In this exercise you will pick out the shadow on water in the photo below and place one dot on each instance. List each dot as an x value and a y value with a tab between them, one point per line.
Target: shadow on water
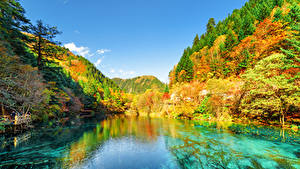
152	143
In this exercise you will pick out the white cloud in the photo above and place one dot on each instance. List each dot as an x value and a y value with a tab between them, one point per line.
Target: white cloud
112	71
97	63
102	51
77	32
122	72
83	51
131	72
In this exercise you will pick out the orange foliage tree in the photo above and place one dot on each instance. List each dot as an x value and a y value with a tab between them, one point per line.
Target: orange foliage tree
266	40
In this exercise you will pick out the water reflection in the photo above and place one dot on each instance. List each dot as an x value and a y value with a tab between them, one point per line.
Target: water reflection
143	130
152	143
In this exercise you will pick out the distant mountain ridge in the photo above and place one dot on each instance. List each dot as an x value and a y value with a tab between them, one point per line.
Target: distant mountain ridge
139	84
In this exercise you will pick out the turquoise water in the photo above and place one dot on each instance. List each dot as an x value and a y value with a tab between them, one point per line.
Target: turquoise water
142	143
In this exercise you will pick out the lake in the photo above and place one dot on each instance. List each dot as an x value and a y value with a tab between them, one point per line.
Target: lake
145	143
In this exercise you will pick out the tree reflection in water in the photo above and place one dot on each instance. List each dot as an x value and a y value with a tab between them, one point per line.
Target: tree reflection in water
142	129
193	144
130	142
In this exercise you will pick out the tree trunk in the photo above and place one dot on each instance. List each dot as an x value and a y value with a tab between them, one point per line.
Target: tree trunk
282	119
149	111
39	59
2	108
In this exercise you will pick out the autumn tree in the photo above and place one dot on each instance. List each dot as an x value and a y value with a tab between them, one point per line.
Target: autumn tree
149	102
269	93
21	87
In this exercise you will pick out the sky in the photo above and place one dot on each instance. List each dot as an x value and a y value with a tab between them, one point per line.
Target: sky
129	38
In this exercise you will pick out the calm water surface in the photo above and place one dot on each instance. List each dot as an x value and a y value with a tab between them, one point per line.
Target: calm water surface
142	143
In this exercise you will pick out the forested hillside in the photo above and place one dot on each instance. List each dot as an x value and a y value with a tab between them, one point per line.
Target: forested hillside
245	67
257	30
139	84
248	63
41	77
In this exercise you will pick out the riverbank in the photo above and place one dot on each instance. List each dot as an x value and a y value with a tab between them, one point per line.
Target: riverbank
11	129
231	120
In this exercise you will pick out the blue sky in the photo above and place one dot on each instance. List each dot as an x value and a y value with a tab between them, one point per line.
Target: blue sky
128	38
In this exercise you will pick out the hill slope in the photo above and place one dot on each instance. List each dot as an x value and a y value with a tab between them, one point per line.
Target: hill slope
257	30
139	84
61	86
248	63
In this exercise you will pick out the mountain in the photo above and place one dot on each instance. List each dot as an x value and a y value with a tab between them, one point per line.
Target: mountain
139	84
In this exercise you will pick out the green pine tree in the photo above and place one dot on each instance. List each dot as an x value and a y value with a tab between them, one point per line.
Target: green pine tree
43	36
166	89
247	25
196	41
210	25
184	71
231	40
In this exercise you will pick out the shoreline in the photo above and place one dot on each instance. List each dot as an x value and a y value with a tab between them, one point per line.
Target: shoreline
77	120
12	129
292	127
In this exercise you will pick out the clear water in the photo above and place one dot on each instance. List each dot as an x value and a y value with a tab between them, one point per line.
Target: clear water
141	143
